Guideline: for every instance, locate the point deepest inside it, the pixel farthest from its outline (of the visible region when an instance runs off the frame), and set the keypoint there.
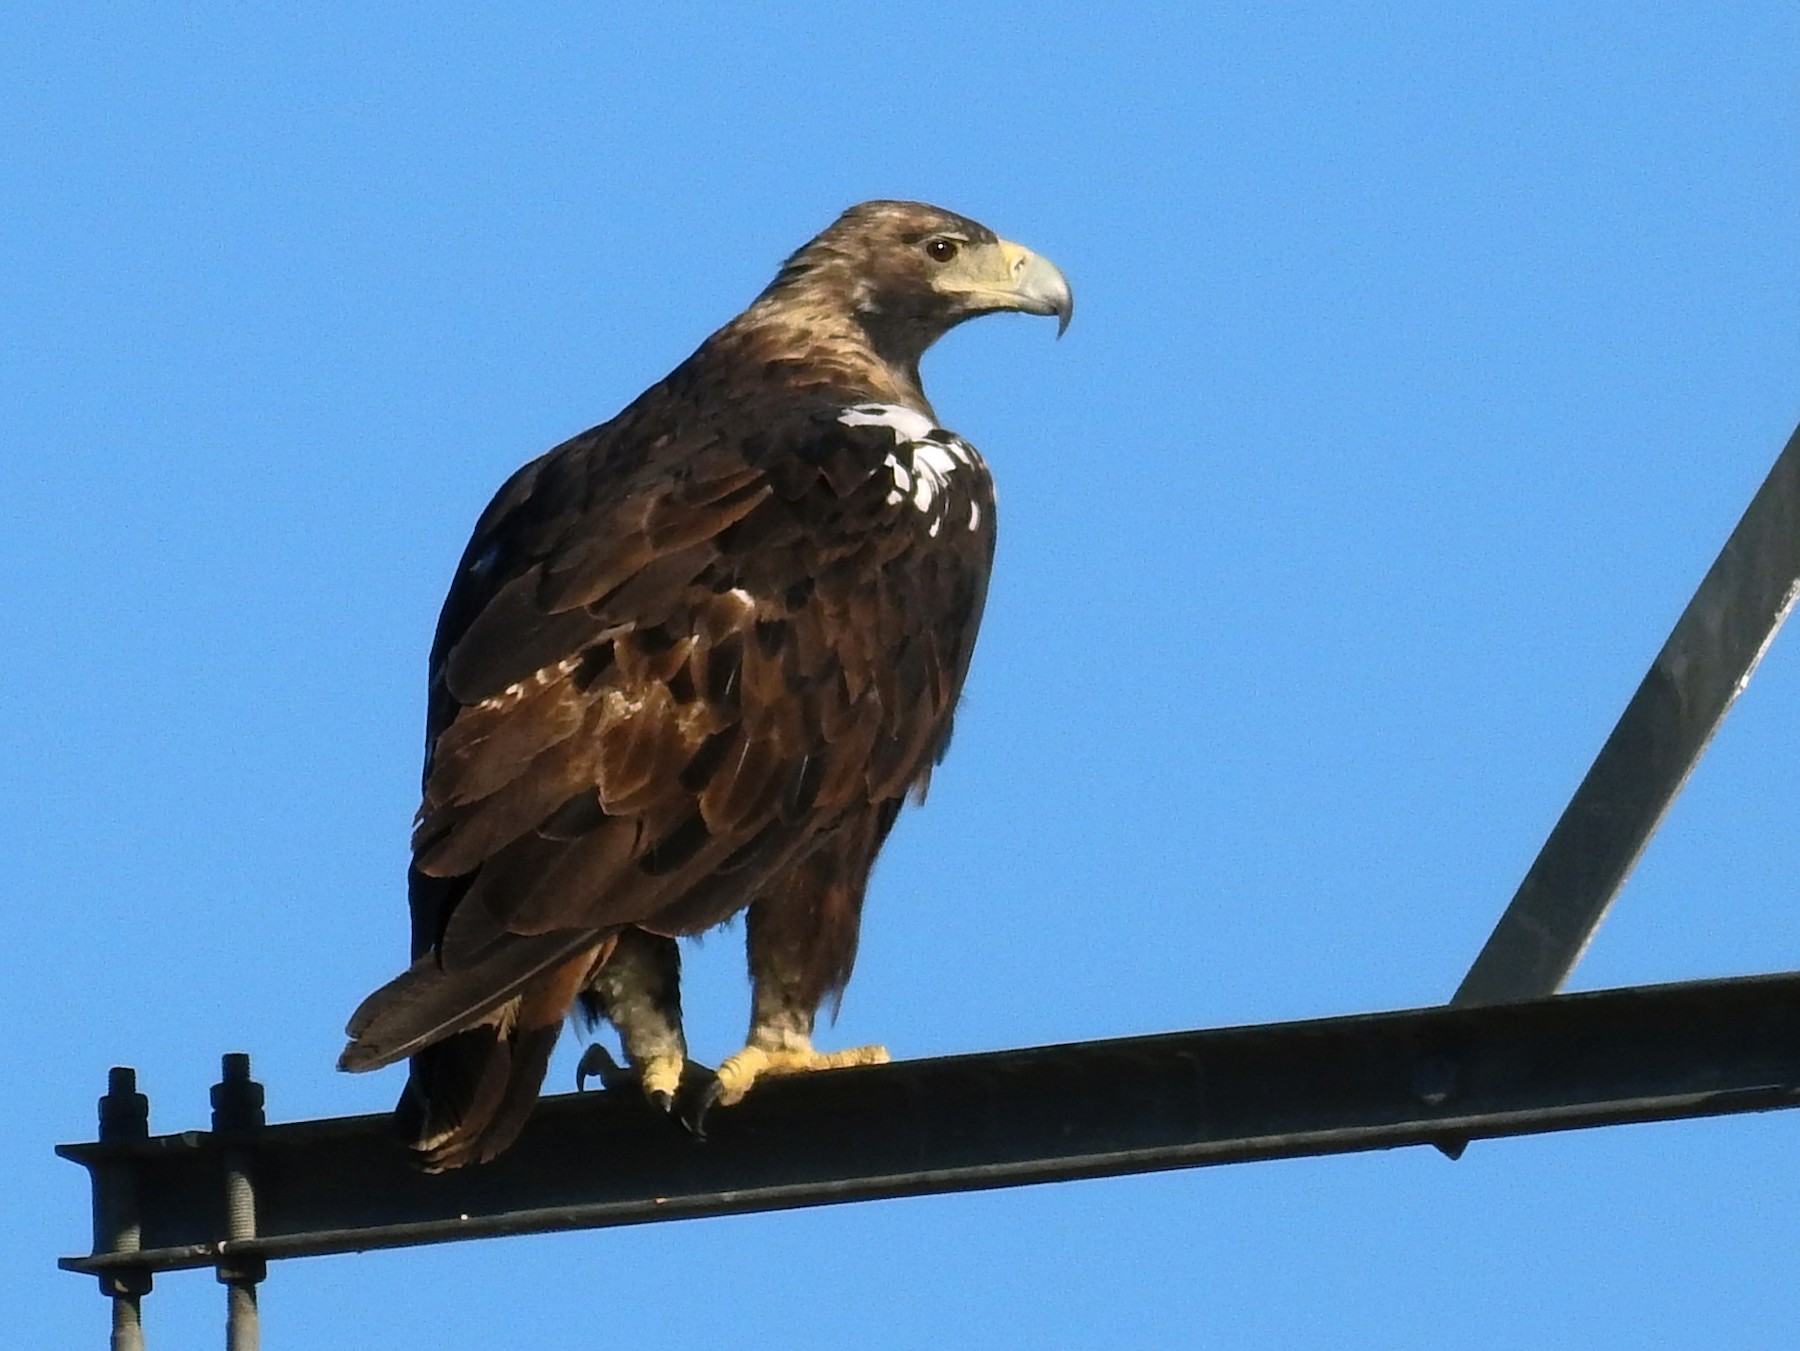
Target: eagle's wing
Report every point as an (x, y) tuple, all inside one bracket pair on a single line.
[(670, 658)]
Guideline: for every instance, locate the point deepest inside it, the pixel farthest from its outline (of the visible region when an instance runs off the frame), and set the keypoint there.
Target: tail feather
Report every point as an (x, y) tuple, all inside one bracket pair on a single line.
[(469, 1095), (471, 1091), (459, 1079), (426, 1003)]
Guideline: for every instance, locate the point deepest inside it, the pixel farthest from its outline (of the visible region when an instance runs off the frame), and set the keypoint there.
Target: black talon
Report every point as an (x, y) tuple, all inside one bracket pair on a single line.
[(597, 1062), (694, 1118)]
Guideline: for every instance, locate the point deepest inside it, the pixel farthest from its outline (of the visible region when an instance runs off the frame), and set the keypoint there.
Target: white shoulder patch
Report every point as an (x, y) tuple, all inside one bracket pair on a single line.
[(907, 424), (923, 459)]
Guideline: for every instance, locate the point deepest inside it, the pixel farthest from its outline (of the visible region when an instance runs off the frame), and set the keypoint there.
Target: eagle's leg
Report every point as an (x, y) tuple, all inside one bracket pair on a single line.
[(801, 941), (638, 991)]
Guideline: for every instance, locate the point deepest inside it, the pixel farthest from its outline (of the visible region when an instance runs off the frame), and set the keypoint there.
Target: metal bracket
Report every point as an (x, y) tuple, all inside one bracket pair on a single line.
[(1006, 1118)]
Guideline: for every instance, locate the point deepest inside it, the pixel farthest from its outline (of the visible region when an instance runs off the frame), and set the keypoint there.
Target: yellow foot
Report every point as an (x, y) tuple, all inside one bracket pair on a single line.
[(742, 1070), (658, 1076)]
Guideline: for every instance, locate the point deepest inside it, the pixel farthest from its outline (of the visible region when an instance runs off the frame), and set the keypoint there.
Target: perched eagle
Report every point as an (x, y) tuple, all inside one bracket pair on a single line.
[(692, 663)]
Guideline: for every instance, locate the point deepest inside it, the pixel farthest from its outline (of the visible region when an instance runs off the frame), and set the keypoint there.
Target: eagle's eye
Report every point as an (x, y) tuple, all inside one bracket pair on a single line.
[(940, 250)]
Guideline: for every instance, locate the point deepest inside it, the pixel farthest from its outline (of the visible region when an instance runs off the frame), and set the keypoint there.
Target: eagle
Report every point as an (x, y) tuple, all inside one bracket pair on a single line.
[(692, 663)]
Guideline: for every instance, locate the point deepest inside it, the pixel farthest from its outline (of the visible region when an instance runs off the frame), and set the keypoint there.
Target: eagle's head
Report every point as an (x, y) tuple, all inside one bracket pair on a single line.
[(906, 273)]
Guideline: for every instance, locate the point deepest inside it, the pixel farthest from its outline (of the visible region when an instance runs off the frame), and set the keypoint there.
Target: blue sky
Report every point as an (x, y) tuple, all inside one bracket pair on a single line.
[(1424, 356)]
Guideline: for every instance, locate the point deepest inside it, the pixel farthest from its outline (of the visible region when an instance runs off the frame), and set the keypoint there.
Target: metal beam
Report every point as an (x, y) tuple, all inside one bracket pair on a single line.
[(1701, 670), (1095, 1109)]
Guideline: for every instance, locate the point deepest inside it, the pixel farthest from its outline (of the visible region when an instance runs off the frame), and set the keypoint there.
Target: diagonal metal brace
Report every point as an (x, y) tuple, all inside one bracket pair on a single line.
[(1701, 670)]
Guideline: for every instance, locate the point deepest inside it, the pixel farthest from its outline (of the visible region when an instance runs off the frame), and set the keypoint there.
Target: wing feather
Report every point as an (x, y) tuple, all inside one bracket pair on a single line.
[(671, 663)]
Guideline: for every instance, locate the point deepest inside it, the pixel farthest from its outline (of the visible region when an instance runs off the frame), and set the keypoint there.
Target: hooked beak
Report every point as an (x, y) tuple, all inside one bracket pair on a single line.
[(1035, 286)]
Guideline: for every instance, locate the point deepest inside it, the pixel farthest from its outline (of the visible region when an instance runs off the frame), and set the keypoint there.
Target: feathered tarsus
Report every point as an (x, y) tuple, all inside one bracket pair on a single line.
[(692, 662)]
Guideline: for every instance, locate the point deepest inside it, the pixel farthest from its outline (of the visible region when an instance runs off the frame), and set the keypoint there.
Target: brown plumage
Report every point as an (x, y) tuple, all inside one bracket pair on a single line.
[(693, 661)]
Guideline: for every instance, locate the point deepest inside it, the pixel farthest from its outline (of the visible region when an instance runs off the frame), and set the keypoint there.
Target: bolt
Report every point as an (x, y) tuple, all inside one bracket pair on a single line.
[(1434, 1079)]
